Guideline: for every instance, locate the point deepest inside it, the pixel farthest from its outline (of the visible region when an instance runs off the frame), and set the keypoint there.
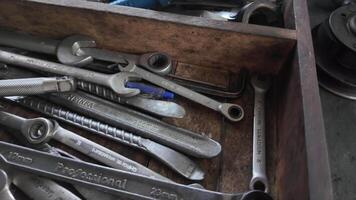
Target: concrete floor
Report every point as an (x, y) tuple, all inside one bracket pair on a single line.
[(340, 123), (340, 126)]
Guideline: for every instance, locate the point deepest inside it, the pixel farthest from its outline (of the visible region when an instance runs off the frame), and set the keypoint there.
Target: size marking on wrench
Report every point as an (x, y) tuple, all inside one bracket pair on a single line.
[(259, 179), (231, 111), (117, 182)]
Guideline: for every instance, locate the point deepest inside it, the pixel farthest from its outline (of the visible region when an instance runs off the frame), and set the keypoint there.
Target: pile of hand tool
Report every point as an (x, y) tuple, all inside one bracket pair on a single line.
[(113, 95)]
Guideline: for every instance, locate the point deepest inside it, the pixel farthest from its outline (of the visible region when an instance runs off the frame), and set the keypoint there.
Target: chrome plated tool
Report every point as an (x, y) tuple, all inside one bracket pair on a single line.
[(153, 106), (156, 107), (41, 130), (232, 112), (114, 81), (259, 180), (146, 126), (116, 182), (175, 160), (32, 86), (5, 193), (81, 50)]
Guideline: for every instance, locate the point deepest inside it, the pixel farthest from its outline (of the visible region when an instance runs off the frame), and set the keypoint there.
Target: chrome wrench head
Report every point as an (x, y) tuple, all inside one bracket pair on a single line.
[(157, 62), (37, 130), (67, 50), (5, 193), (233, 112), (261, 83), (118, 81)]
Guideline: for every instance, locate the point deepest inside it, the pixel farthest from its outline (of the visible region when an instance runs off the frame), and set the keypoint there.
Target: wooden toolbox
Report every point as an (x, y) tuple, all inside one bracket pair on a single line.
[(297, 156)]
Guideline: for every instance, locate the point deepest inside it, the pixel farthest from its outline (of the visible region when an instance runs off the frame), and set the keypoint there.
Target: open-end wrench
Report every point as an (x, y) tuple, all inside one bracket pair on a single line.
[(5, 193), (116, 182), (175, 160), (153, 106), (114, 81), (146, 126), (40, 130), (32, 86), (259, 180), (80, 50), (79, 45), (232, 112)]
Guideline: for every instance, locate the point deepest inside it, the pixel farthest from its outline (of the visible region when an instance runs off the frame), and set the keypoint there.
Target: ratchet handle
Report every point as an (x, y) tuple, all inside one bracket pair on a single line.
[(32, 86)]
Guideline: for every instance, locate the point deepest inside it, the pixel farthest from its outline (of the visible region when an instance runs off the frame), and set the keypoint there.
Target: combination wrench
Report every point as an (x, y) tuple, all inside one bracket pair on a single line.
[(146, 126), (81, 50), (153, 106), (114, 81), (116, 182), (232, 112), (173, 159), (40, 130), (5, 193), (259, 180), (32, 86)]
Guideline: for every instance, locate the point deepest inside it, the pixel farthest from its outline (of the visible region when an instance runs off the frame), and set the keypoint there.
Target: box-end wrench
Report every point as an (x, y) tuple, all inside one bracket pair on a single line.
[(232, 112), (116, 182), (153, 106), (114, 81), (79, 45), (79, 50), (175, 160), (40, 130), (146, 126), (259, 180), (32, 86)]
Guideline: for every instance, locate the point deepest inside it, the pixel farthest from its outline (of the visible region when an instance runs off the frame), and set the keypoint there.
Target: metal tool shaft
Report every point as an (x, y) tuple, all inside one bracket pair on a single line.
[(144, 125), (259, 179), (40, 130), (5, 193), (233, 112), (175, 160), (117, 182), (114, 81), (41, 188), (157, 107), (32, 86)]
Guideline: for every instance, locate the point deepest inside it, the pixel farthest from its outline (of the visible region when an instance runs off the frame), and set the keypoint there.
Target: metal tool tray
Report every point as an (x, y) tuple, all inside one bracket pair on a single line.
[(296, 149)]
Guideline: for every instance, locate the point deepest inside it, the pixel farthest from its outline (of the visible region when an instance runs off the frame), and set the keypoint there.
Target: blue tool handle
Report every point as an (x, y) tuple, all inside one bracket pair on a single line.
[(141, 3), (152, 90)]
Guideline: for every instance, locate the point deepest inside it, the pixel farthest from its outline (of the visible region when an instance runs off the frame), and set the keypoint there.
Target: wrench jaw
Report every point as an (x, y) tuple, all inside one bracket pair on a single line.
[(233, 112), (157, 62), (118, 81), (261, 83), (37, 130), (259, 182), (68, 50)]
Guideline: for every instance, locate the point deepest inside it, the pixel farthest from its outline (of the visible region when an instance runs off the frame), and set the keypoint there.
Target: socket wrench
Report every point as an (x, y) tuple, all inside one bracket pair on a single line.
[(114, 81), (40, 130), (146, 126), (32, 86), (116, 182), (259, 180), (173, 159), (232, 112)]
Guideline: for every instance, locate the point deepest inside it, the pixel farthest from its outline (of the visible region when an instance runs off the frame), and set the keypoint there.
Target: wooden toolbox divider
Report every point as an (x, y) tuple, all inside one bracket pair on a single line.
[(296, 149)]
